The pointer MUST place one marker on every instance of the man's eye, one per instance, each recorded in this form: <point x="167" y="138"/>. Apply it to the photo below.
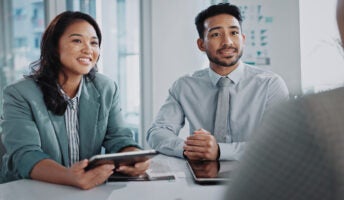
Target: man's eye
<point x="215" y="35"/>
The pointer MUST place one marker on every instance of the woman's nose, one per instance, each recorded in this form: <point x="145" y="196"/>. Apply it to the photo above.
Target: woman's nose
<point x="87" y="49"/>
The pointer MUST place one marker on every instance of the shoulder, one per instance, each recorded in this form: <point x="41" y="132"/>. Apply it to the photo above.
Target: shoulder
<point x="260" y="74"/>
<point x="22" y="83"/>
<point x="24" y="86"/>
<point x="329" y="95"/>
<point x="200" y="73"/>
<point x="103" y="80"/>
<point x="104" y="83"/>
<point x="196" y="80"/>
<point x="316" y="108"/>
<point x="197" y="76"/>
<point x="327" y="102"/>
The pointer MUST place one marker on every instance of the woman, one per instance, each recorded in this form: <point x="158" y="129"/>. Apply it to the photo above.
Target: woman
<point x="64" y="111"/>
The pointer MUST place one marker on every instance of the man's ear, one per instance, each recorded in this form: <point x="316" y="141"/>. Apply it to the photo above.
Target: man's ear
<point x="243" y="40"/>
<point x="200" y="44"/>
<point x="243" y="37"/>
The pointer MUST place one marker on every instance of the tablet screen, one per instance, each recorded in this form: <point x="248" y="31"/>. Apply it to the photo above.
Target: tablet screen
<point x="211" y="171"/>
<point x="124" y="158"/>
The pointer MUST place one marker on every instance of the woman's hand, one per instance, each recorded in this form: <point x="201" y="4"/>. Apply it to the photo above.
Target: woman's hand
<point x="138" y="169"/>
<point x="91" y="178"/>
<point x="50" y="171"/>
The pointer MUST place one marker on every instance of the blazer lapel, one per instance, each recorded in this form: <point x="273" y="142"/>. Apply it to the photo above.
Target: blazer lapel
<point x="88" y="117"/>
<point x="61" y="134"/>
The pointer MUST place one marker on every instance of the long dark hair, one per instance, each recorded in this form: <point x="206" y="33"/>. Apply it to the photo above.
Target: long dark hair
<point x="45" y="70"/>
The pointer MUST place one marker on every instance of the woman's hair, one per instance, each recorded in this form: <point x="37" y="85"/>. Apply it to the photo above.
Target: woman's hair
<point x="46" y="69"/>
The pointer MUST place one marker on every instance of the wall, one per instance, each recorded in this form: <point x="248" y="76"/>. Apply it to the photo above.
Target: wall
<point x="280" y="21"/>
<point x="322" y="56"/>
<point x="174" y="48"/>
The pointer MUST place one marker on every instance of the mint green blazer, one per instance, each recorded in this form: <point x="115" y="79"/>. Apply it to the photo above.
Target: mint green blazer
<point x="30" y="132"/>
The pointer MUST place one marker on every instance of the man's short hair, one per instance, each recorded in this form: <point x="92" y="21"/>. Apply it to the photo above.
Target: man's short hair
<point x="221" y="8"/>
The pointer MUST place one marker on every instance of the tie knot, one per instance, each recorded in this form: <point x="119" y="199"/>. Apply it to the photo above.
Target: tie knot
<point x="224" y="82"/>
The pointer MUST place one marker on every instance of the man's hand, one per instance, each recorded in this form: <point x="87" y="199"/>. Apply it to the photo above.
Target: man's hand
<point x="201" y="146"/>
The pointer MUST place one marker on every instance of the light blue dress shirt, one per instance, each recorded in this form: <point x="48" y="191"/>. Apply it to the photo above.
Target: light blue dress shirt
<point x="253" y="91"/>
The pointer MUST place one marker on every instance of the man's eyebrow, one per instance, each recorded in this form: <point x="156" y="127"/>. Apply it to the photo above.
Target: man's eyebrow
<point x="214" y="28"/>
<point x="219" y="27"/>
<point x="234" y="27"/>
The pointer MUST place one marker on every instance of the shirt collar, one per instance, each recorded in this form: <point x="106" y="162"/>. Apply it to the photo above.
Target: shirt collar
<point x="234" y="76"/>
<point x="79" y="89"/>
<point x="77" y="96"/>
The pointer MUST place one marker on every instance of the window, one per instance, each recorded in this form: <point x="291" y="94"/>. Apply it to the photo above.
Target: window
<point x="22" y="24"/>
<point x="120" y="50"/>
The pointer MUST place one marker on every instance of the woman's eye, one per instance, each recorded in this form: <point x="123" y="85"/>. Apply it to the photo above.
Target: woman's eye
<point x="76" y="41"/>
<point x="95" y="43"/>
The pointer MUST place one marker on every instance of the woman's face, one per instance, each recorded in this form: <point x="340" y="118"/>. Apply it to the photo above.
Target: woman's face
<point x="78" y="49"/>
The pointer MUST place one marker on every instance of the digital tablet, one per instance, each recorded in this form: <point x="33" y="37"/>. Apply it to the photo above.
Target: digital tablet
<point x="115" y="177"/>
<point x="211" y="172"/>
<point x="119" y="159"/>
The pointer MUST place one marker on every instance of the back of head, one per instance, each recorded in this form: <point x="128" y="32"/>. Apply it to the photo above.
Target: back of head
<point x="218" y="9"/>
<point x="340" y="18"/>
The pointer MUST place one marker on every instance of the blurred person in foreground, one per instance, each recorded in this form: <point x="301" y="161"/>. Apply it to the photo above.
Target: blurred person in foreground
<point x="298" y="152"/>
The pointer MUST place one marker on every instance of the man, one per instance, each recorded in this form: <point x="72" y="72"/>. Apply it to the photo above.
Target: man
<point x="298" y="152"/>
<point x="223" y="103"/>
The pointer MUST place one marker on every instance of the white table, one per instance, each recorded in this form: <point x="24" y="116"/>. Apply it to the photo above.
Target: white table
<point x="180" y="189"/>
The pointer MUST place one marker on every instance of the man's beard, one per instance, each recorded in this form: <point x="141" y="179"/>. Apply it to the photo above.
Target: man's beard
<point x="224" y="64"/>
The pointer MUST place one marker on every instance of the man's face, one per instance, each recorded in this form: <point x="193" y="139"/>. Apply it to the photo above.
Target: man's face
<point x="223" y="41"/>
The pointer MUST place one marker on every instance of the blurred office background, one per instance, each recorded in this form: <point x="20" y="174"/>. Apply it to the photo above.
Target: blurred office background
<point x="147" y="44"/>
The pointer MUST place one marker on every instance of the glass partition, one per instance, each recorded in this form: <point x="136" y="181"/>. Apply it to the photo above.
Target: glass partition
<point x="120" y="50"/>
<point x="22" y="25"/>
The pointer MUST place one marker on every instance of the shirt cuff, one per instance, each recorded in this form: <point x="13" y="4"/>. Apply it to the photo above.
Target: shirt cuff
<point x="231" y="151"/>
